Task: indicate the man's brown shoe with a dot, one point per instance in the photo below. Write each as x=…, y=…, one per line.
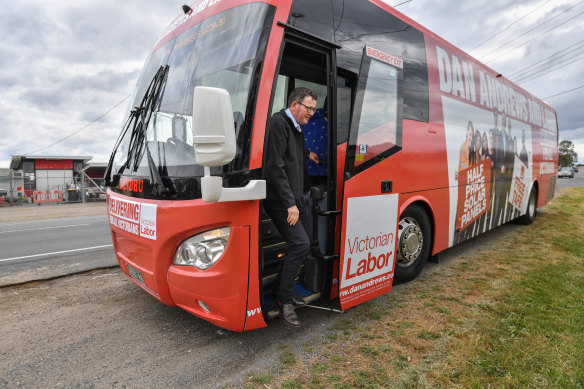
x=287, y=314
x=298, y=302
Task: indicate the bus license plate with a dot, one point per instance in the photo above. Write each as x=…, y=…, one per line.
x=135, y=273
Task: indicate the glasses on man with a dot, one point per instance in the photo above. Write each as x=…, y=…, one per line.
x=309, y=109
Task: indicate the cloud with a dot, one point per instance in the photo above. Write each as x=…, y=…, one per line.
x=63, y=64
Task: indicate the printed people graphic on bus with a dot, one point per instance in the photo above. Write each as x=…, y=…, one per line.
x=475, y=168
x=465, y=150
x=490, y=155
x=480, y=155
x=523, y=154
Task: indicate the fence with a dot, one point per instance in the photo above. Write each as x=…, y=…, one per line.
x=47, y=196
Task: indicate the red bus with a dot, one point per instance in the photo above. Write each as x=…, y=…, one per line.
x=425, y=148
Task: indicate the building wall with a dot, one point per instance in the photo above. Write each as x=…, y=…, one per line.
x=56, y=179
x=5, y=179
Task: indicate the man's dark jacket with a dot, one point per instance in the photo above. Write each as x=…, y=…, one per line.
x=284, y=161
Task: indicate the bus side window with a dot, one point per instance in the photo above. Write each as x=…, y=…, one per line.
x=379, y=123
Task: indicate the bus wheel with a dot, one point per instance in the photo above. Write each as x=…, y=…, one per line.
x=413, y=247
x=531, y=209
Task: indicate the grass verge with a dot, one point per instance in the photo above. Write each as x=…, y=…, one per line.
x=513, y=316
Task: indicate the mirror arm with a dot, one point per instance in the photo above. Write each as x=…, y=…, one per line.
x=213, y=191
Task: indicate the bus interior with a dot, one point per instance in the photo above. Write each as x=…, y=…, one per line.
x=304, y=64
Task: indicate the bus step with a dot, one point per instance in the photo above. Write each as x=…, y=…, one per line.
x=274, y=253
x=267, y=280
x=271, y=275
x=299, y=291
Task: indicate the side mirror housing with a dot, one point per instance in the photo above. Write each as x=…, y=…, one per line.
x=213, y=127
x=214, y=145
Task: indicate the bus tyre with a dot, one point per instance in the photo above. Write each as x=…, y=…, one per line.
x=413, y=246
x=531, y=212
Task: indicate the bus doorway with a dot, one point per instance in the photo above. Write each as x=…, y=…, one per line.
x=306, y=63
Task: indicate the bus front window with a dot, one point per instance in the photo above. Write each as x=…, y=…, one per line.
x=223, y=51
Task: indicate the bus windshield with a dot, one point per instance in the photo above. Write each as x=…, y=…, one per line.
x=223, y=51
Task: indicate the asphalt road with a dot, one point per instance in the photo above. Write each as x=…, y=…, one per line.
x=578, y=180
x=43, y=249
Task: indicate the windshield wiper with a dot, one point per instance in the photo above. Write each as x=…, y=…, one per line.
x=138, y=121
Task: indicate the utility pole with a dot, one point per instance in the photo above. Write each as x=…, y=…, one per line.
x=11, y=185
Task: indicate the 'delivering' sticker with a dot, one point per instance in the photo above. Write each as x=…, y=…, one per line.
x=132, y=216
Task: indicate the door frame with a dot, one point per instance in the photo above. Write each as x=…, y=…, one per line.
x=303, y=39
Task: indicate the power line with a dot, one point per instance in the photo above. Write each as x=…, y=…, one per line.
x=537, y=70
x=534, y=28
x=397, y=5
x=564, y=92
x=539, y=25
x=551, y=70
x=81, y=129
x=509, y=25
x=540, y=61
x=531, y=40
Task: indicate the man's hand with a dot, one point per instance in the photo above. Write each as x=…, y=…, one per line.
x=314, y=158
x=293, y=215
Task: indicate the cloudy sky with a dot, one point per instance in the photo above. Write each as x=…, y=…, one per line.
x=68, y=67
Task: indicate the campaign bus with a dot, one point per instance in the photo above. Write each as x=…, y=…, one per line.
x=423, y=147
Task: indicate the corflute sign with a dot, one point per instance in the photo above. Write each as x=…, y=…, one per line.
x=369, y=248
x=134, y=217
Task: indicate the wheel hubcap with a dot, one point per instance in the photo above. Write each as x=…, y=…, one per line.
x=411, y=241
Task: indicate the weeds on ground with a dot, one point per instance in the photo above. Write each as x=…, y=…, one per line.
x=512, y=317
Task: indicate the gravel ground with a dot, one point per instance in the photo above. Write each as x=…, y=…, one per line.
x=27, y=212
x=100, y=330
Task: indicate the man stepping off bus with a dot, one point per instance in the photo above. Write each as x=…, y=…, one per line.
x=284, y=173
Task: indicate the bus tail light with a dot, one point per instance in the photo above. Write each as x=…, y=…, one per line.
x=203, y=250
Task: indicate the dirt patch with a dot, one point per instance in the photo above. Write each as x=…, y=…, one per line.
x=98, y=329
x=50, y=211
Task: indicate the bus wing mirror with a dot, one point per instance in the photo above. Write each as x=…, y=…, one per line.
x=213, y=128
x=214, y=145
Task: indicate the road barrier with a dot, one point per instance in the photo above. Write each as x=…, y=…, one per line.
x=47, y=196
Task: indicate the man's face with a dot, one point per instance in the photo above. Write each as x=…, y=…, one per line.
x=304, y=110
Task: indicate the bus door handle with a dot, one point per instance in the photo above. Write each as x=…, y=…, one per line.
x=386, y=186
x=330, y=213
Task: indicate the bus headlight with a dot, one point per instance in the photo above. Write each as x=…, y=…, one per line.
x=203, y=250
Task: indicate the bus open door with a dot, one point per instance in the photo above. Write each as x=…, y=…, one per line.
x=370, y=208
x=306, y=61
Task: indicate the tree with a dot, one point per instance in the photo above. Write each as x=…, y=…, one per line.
x=567, y=154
